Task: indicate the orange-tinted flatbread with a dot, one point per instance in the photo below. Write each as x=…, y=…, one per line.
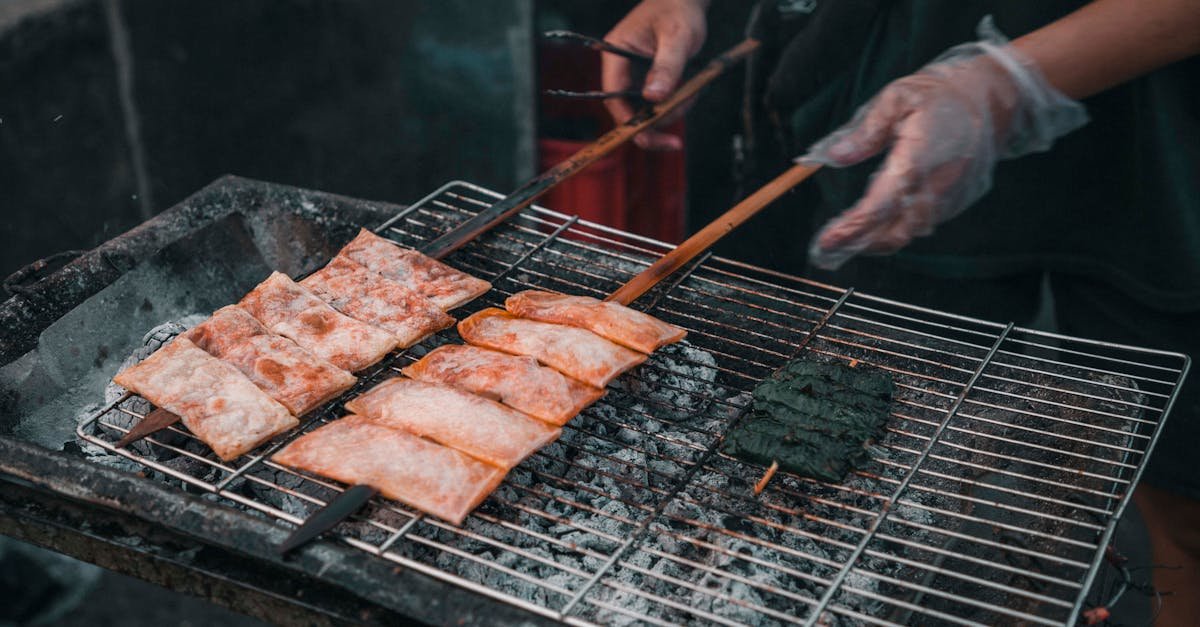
x=226, y=328
x=519, y=382
x=612, y=321
x=277, y=365
x=215, y=401
x=287, y=373
x=479, y=427
x=577, y=353
x=294, y=312
x=364, y=295
x=432, y=478
x=445, y=286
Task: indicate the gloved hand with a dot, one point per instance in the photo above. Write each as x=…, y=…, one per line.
x=946, y=126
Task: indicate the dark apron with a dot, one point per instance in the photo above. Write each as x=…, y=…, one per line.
x=1118, y=200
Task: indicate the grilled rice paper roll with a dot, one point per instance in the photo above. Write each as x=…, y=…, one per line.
x=612, y=321
x=289, y=374
x=216, y=402
x=519, y=382
x=479, y=427
x=226, y=328
x=445, y=286
x=577, y=353
x=290, y=310
x=363, y=295
x=432, y=478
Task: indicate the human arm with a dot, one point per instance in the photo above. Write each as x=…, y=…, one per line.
x=670, y=31
x=945, y=126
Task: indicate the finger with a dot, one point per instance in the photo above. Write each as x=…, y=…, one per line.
x=654, y=140
x=614, y=76
x=866, y=135
x=670, y=57
x=874, y=219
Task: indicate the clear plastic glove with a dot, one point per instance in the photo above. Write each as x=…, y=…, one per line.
x=671, y=31
x=946, y=125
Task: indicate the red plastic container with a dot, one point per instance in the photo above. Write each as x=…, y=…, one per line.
x=640, y=191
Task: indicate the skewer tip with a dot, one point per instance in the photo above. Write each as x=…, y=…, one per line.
x=766, y=478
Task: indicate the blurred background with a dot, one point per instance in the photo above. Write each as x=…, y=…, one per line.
x=113, y=110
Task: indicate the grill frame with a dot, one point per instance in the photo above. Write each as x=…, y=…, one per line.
x=546, y=229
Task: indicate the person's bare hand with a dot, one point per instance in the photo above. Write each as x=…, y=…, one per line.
x=669, y=30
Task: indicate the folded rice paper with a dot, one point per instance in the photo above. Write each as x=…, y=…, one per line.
x=612, y=321
x=446, y=286
x=289, y=374
x=815, y=419
x=214, y=400
x=369, y=297
x=427, y=476
x=479, y=427
x=291, y=310
x=519, y=382
x=577, y=353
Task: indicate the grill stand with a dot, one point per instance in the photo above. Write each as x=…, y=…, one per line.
x=974, y=422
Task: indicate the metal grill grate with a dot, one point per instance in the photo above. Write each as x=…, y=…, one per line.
x=1009, y=456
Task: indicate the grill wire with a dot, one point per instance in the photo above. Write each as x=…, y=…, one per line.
x=1009, y=456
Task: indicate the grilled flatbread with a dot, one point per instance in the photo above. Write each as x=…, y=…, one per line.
x=577, y=353
x=445, y=286
x=518, y=382
x=479, y=427
x=278, y=366
x=612, y=321
x=292, y=311
x=427, y=476
x=215, y=401
x=363, y=295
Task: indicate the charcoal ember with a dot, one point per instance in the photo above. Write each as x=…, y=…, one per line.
x=678, y=381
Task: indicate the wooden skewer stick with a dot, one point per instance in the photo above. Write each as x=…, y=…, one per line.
x=766, y=478
x=707, y=236
x=154, y=421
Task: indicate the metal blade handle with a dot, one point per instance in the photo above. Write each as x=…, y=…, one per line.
x=156, y=420
x=329, y=516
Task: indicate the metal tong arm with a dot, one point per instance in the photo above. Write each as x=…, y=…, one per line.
x=610, y=141
x=599, y=45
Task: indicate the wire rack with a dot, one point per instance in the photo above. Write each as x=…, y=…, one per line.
x=1009, y=455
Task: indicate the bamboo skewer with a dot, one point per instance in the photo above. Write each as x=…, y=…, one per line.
x=704, y=238
x=762, y=483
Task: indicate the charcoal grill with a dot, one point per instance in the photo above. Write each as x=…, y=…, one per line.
x=1009, y=456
